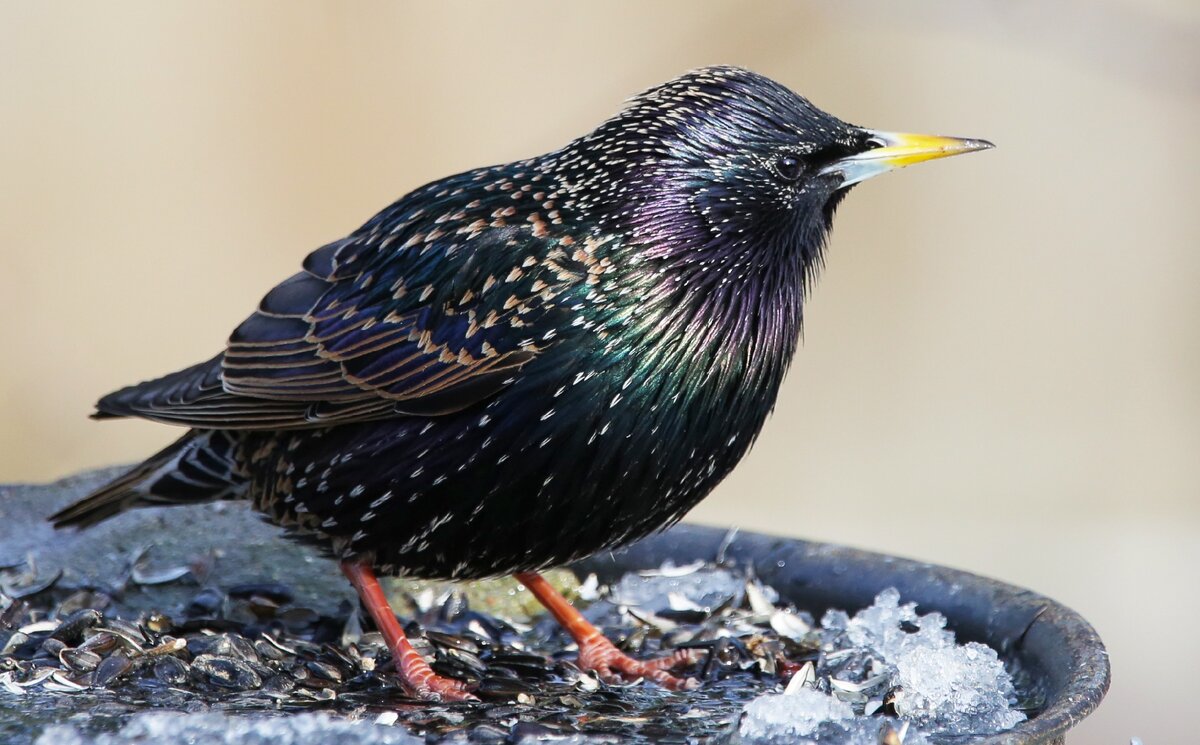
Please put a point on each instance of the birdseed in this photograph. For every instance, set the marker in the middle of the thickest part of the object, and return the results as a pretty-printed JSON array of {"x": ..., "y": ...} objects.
[{"x": 248, "y": 650}]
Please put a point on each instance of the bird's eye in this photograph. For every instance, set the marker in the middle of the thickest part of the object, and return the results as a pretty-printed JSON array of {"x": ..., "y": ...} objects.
[{"x": 788, "y": 167}]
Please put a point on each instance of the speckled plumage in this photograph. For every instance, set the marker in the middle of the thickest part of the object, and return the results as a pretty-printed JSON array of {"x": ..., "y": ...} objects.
[{"x": 521, "y": 365}]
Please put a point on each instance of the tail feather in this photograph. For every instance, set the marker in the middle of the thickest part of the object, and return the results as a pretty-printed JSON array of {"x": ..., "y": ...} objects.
[
  {"x": 198, "y": 467},
  {"x": 113, "y": 498}
]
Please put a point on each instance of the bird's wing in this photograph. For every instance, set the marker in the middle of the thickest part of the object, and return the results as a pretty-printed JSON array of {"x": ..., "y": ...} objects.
[{"x": 394, "y": 320}]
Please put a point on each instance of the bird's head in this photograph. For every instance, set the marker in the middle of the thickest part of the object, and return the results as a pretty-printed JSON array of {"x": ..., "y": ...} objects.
[{"x": 724, "y": 170}]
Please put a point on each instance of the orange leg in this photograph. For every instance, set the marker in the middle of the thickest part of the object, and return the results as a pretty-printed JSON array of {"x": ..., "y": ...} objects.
[
  {"x": 597, "y": 653},
  {"x": 415, "y": 674}
]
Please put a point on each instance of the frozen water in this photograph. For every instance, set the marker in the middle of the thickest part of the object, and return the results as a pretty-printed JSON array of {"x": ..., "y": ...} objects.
[
  {"x": 810, "y": 716},
  {"x": 941, "y": 688},
  {"x": 944, "y": 687},
  {"x": 655, "y": 591},
  {"x": 797, "y": 714},
  {"x": 174, "y": 728}
]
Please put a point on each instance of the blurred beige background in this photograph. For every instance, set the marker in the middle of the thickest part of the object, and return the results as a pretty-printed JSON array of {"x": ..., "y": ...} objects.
[{"x": 1001, "y": 368}]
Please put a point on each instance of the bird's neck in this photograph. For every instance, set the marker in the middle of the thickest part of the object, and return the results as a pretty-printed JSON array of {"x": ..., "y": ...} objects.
[{"x": 706, "y": 349}]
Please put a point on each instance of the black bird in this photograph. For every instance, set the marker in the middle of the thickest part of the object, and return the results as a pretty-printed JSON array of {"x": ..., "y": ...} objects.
[{"x": 521, "y": 365}]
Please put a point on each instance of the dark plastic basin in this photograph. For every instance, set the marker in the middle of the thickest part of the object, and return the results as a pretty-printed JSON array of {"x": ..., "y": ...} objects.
[
  {"x": 1059, "y": 648},
  {"x": 1055, "y": 644}
]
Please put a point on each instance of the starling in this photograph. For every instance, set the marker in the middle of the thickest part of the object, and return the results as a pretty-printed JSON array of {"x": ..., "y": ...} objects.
[{"x": 521, "y": 365}]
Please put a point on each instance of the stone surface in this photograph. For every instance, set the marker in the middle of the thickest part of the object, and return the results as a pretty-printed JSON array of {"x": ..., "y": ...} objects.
[{"x": 242, "y": 547}]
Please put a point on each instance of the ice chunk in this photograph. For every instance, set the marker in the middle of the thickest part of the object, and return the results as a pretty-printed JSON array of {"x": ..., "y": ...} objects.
[
  {"x": 810, "y": 716},
  {"x": 937, "y": 686},
  {"x": 210, "y": 728},
  {"x": 955, "y": 689},
  {"x": 781, "y": 715},
  {"x": 705, "y": 587},
  {"x": 943, "y": 687}
]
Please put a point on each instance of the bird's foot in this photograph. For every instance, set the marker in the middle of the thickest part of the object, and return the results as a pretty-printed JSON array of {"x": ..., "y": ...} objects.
[
  {"x": 597, "y": 654},
  {"x": 421, "y": 682},
  {"x": 601, "y": 656},
  {"x": 416, "y": 676}
]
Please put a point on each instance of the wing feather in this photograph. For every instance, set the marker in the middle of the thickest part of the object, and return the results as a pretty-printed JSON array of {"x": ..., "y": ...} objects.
[{"x": 391, "y": 321}]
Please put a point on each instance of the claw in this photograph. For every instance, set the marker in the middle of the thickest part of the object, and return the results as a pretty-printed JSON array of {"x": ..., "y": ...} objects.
[
  {"x": 436, "y": 689},
  {"x": 597, "y": 654},
  {"x": 601, "y": 656}
]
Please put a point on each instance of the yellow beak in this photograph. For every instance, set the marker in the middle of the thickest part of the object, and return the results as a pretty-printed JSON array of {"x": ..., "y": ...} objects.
[{"x": 896, "y": 150}]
